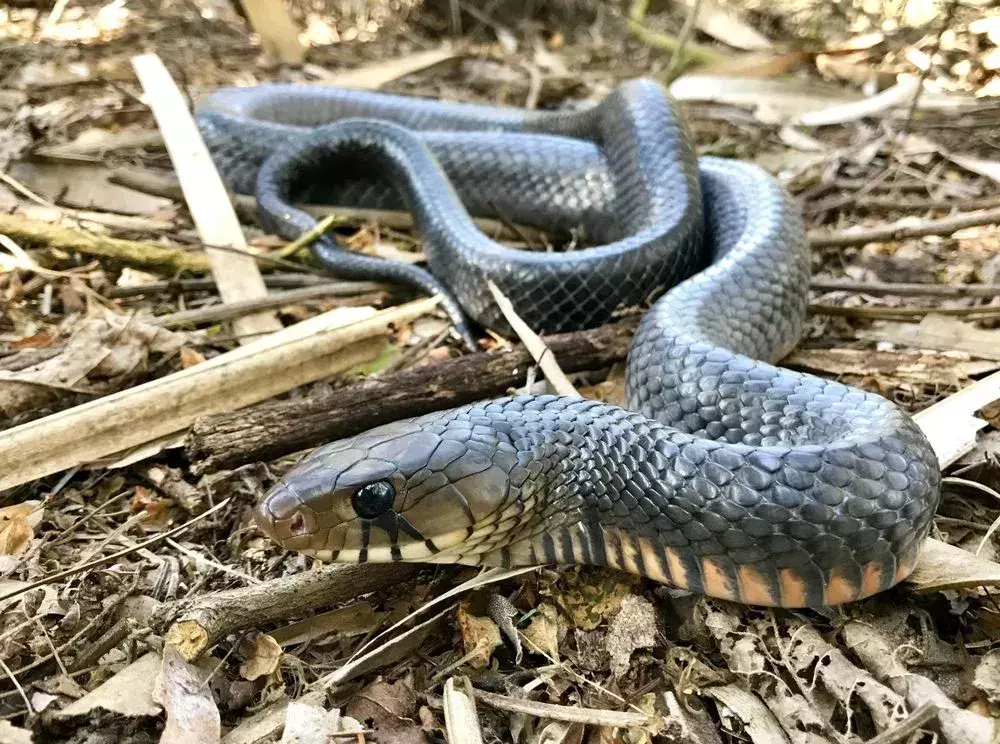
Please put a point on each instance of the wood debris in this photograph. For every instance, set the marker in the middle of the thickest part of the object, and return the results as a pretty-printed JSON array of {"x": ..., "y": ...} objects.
[{"x": 163, "y": 360}]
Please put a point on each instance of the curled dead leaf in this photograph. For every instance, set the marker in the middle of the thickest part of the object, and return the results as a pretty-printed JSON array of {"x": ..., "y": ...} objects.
[
  {"x": 542, "y": 634},
  {"x": 480, "y": 636},
  {"x": 264, "y": 659},
  {"x": 17, "y": 526}
]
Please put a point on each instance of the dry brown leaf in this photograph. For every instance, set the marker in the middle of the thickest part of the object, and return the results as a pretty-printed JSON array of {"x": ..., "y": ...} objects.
[
  {"x": 721, "y": 24},
  {"x": 987, "y": 676},
  {"x": 943, "y": 566},
  {"x": 480, "y": 636},
  {"x": 264, "y": 658},
  {"x": 17, "y": 526},
  {"x": 192, "y": 715},
  {"x": 190, "y": 357},
  {"x": 129, "y": 692},
  {"x": 634, "y": 627},
  {"x": 391, "y": 710},
  {"x": 543, "y": 632}
]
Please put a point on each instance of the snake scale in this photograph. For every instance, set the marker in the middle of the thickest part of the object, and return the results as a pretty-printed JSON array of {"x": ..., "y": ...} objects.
[{"x": 725, "y": 474}]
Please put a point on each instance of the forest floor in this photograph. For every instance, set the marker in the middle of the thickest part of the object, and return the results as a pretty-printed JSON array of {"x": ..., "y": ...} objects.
[{"x": 142, "y": 603}]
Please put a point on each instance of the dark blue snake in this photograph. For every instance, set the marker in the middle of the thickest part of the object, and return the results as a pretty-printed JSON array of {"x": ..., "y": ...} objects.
[{"x": 725, "y": 474}]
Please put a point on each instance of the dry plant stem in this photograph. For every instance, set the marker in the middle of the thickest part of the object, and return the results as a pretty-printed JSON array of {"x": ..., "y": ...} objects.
[
  {"x": 273, "y": 281},
  {"x": 590, "y": 716},
  {"x": 236, "y": 274},
  {"x": 316, "y": 348},
  {"x": 228, "y": 310},
  {"x": 197, "y": 625},
  {"x": 694, "y": 54},
  {"x": 159, "y": 259},
  {"x": 957, "y": 726},
  {"x": 273, "y": 430},
  {"x": 903, "y": 313},
  {"x": 310, "y": 237},
  {"x": 916, "y": 720},
  {"x": 908, "y": 289},
  {"x": 533, "y": 343},
  {"x": 890, "y": 233},
  {"x": 949, "y": 13}
]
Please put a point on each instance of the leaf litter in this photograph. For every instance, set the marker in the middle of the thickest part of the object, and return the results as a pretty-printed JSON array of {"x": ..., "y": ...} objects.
[{"x": 874, "y": 115}]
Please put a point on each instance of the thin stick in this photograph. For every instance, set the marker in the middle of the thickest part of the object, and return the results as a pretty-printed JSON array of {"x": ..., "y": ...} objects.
[
  {"x": 917, "y": 719},
  {"x": 310, "y": 237},
  {"x": 534, "y": 344},
  {"x": 891, "y": 233},
  {"x": 305, "y": 352},
  {"x": 591, "y": 716},
  {"x": 949, "y": 13},
  {"x": 912, "y": 289},
  {"x": 215, "y": 313}
]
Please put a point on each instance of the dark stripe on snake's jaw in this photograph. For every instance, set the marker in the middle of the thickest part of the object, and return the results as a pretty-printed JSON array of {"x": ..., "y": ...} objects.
[{"x": 724, "y": 474}]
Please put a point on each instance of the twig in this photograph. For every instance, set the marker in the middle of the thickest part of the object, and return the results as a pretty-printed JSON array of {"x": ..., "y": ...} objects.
[
  {"x": 890, "y": 233},
  {"x": 228, "y": 310},
  {"x": 534, "y": 344},
  {"x": 274, "y": 429},
  {"x": 310, "y": 237},
  {"x": 907, "y": 289},
  {"x": 694, "y": 54},
  {"x": 949, "y": 13},
  {"x": 304, "y": 352},
  {"x": 673, "y": 66},
  {"x": 903, "y": 313},
  {"x": 272, "y": 281},
  {"x": 197, "y": 625},
  {"x": 590, "y": 716},
  {"x": 148, "y": 256}
]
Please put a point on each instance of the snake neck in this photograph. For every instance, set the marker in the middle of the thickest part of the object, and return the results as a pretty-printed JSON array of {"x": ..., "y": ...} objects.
[{"x": 782, "y": 525}]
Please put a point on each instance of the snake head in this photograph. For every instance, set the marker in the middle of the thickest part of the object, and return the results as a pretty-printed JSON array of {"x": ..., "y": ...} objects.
[{"x": 404, "y": 491}]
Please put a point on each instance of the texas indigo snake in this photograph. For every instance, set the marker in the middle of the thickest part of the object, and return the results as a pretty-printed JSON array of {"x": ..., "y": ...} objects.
[{"x": 726, "y": 475}]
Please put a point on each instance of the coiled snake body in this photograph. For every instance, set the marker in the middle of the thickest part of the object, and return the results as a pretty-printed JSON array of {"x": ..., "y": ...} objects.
[{"x": 725, "y": 475}]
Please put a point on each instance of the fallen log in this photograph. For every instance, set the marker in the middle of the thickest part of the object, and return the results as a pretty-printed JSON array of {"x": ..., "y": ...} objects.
[{"x": 272, "y": 430}]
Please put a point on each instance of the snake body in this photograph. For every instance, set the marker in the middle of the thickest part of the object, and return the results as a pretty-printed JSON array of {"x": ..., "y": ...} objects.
[{"x": 724, "y": 474}]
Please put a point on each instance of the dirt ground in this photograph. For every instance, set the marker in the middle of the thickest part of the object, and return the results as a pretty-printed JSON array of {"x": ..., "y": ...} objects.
[{"x": 141, "y": 602}]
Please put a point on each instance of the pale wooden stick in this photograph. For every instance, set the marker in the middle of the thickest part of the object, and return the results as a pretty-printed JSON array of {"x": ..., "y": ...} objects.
[
  {"x": 534, "y": 344},
  {"x": 236, "y": 275},
  {"x": 307, "y": 351}
]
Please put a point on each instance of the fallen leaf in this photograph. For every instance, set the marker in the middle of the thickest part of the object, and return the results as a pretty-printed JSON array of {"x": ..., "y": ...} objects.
[
  {"x": 634, "y": 627},
  {"x": 943, "y": 566},
  {"x": 389, "y": 709},
  {"x": 128, "y": 692},
  {"x": 725, "y": 26},
  {"x": 543, "y": 632},
  {"x": 480, "y": 636},
  {"x": 192, "y": 715},
  {"x": 264, "y": 658},
  {"x": 987, "y": 676},
  {"x": 190, "y": 357},
  {"x": 17, "y": 526},
  {"x": 11, "y": 734}
]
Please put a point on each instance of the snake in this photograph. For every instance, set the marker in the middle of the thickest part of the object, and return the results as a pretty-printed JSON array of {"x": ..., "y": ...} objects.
[{"x": 723, "y": 473}]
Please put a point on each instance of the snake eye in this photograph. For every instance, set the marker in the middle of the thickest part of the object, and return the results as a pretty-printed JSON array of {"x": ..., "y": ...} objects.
[{"x": 373, "y": 500}]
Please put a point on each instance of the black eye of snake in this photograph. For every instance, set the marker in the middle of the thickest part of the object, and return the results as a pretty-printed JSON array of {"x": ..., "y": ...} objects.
[{"x": 373, "y": 500}]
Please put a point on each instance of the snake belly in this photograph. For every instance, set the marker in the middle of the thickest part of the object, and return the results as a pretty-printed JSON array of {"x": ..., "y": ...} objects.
[{"x": 724, "y": 474}]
